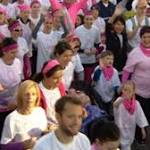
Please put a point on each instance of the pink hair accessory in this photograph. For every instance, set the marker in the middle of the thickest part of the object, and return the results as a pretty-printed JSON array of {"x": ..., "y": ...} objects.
[
  {"x": 14, "y": 25},
  {"x": 51, "y": 64},
  {"x": 10, "y": 48},
  {"x": 35, "y": 2},
  {"x": 24, "y": 7},
  {"x": 88, "y": 13}
]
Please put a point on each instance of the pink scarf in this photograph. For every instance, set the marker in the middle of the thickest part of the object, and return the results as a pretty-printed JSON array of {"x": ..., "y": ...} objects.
[
  {"x": 108, "y": 72},
  {"x": 145, "y": 50},
  {"x": 130, "y": 105}
]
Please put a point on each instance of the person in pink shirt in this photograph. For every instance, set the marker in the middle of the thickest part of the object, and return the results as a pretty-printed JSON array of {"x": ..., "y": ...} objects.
[
  {"x": 105, "y": 135},
  {"x": 138, "y": 67}
]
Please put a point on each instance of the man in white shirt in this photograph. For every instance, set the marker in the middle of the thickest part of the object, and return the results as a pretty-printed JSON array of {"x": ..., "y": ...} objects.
[{"x": 69, "y": 113}]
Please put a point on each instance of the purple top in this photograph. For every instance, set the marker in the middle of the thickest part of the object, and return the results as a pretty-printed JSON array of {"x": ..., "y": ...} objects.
[{"x": 12, "y": 146}]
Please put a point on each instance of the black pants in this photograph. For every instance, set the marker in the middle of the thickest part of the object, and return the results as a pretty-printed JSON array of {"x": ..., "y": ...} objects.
[
  {"x": 145, "y": 104},
  {"x": 3, "y": 115}
]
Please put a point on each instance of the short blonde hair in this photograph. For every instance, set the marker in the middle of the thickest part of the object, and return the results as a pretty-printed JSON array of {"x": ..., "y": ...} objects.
[
  {"x": 22, "y": 88},
  {"x": 128, "y": 83}
]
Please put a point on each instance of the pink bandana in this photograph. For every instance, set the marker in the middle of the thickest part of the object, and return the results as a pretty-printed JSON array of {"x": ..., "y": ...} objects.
[
  {"x": 14, "y": 25},
  {"x": 108, "y": 72},
  {"x": 51, "y": 64},
  {"x": 130, "y": 105},
  {"x": 145, "y": 50}
]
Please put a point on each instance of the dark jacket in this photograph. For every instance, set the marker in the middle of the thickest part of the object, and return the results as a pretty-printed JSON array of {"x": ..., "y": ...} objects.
[{"x": 113, "y": 44}]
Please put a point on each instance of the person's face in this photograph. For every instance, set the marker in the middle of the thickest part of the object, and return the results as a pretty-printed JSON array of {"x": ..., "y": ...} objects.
[
  {"x": 141, "y": 8},
  {"x": 88, "y": 20},
  {"x": 25, "y": 14},
  {"x": 71, "y": 119},
  {"x": 128, "y": 91},
  {"x": 48, "y": 23},
  {"x": 118, "y": 27},
  {"x": 65, "y": 57},
  {"x": 17, "y": 32},
  {"x": 75, "y": 45},
  {"x": 95, "y": 13},
  {"x": 2, "y": 17},
  {"x": 70, "y": 1},
  {"x": 29, "y": 97},
  {"x": 78, "y": 21},
  {"x": 10, "y": 55},
  {"x": 55, "y": 79},
  {"x": 108, "y": 61},
  {"x": 36, "y": 8},
  {"x": 146, "y": 40},
  {"x": 110, "y": 145}
]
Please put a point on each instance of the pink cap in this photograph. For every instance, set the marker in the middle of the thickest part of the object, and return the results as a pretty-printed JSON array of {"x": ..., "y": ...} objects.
[
  {"x": 51, "y": 64},
  {"x": 35, "y": 2},
  {"x": 10, "y": 47},
  {"x": 24, "y": 7}
]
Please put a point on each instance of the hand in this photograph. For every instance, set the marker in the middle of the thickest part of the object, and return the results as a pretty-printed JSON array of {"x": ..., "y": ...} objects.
[
  {"x": 2, "y": 88},
  {"x": 28, "y": 144},
  {"x": 93, "y": 51},
  {"x": 118, "y": 10},
  {"x": 143, "y": 133},
  {"x": 87, "y": 52},
  {"x": 52, "y": 127}
]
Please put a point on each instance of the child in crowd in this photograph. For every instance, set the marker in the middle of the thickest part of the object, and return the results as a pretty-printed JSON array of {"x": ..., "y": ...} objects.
[
  {"x": 106, "y": 80},
  {"x": 105, "y": 136},
  {"x": 128, "y": 113}
]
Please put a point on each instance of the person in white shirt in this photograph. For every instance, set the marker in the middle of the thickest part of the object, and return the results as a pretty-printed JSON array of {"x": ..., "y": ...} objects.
[
  {"x": 28, "y": 120},
  {"x": 133, "y": 25},
  {"x": 10, "y": 77},
  {"x": 9, "y": 8},
  {"x": 63, "y": 53},
  {"x": 89, "y": 37},
  {"x": 46, "y": 41},
  {"x": 69, "y": 113}
]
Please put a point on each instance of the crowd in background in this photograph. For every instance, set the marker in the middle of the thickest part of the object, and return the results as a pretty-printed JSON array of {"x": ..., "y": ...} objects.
[{"x": 74, "y": 74}]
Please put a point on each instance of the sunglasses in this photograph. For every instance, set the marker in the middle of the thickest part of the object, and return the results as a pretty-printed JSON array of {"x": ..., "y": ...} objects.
[
  {"x": 18, "y": 30},
  {"x": 78, "y": 46}
]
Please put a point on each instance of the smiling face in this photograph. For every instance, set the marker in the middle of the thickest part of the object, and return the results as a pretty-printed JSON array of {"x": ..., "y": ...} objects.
[
  {"x": 55, "y": 79},
  {"x": 145, "y": 39},
  {"x": 118, "y": 27},
  {"x": 65, "y": 57},
  {"x": 70, "y": 119}
]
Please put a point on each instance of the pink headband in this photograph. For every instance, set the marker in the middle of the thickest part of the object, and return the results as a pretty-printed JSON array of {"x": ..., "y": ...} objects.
[
  {"x": 35, "y": 2},
  {"x": 88, "y": 13},
  {"x": 9, "y": 47},
  {"x": 51, "y": 64},
  {"x": 14, "y": 25},
  {"x": 24, "y": 7}
]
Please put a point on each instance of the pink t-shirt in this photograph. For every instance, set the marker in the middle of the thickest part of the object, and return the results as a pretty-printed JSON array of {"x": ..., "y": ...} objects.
[{"x": 139, "y": 65}]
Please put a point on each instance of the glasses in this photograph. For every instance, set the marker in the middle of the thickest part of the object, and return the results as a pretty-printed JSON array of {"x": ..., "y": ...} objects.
[
  {"x": 78, "y": 46},
  {"x": 18, "y": 30}
]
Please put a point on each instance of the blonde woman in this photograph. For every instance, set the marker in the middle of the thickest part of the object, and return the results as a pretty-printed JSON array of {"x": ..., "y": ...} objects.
[{"x": 28, "y": 120}]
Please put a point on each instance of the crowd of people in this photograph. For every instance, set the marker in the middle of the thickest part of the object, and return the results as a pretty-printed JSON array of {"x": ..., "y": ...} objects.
[{"x": 74, "y": 74}]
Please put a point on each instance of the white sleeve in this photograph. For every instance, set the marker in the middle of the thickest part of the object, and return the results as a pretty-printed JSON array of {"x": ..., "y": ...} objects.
[
  {"x": 7, "y": 134},
  {"x": 116, "y": 80},
  {"x": 129, "y": 26},
  {"x": 78, "y": 64},
  {"x": 140, "y": 117}
]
